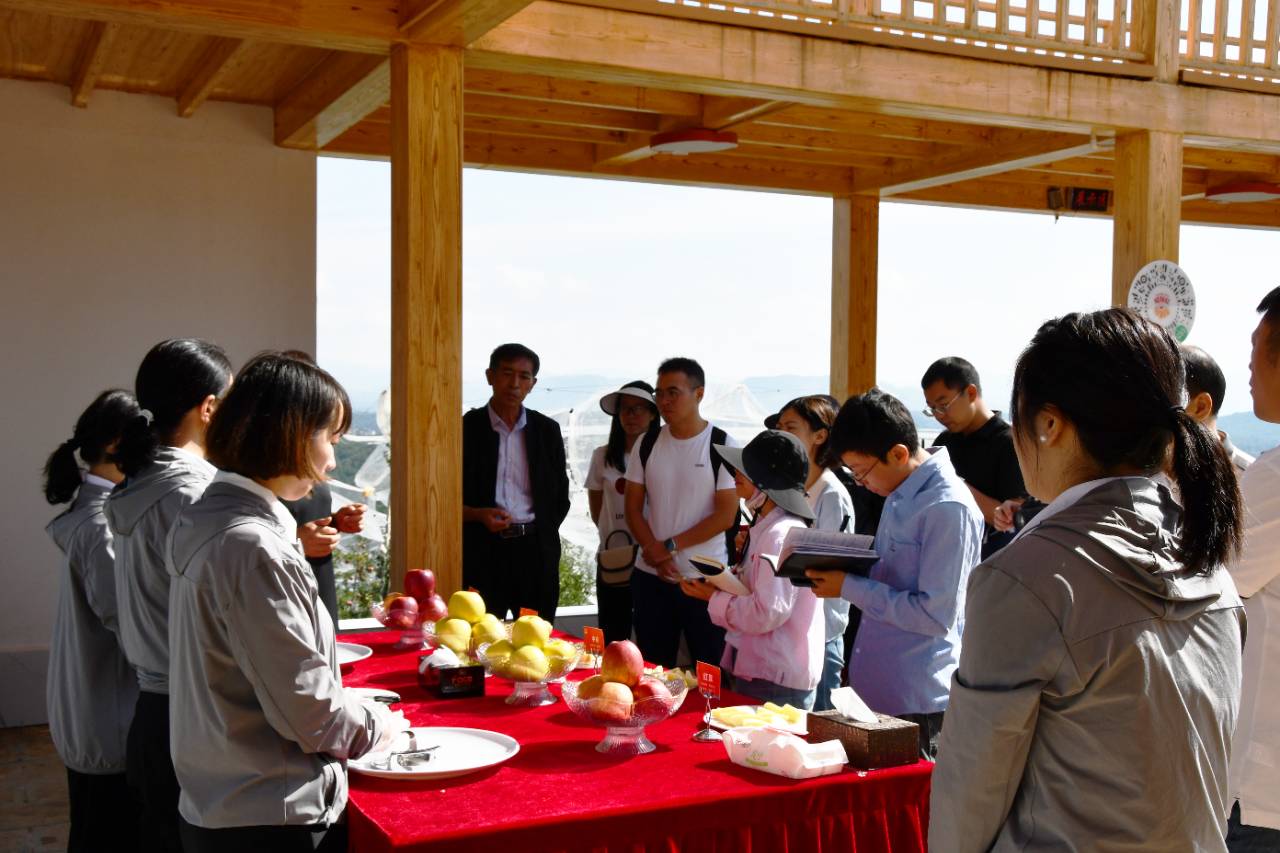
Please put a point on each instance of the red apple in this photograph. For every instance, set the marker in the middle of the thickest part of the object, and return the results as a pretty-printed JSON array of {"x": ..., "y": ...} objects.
[
  {"x": 613, "y": 705},
  {"x": 622, "y": 663},
  {"x": 420, "y": 583},
  {"x": 392, "y": 596},
  {"x": 434, "y": 609},
  {"x": 403, "y": 613},
  {"x": 650, "y": 688},
  {"x": 590, "y": 687}
]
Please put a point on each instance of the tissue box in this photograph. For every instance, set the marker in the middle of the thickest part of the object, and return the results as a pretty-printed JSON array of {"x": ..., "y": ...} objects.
[
  {"x": 452, "y": 682},
  {"x": 888, "y": 742}
]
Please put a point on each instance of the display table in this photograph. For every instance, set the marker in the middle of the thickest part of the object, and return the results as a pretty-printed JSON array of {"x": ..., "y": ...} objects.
[{"x": 559, "y": 794}]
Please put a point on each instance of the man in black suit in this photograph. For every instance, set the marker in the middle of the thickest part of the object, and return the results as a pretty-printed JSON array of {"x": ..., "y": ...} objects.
[{"x": 515, "y": 492}]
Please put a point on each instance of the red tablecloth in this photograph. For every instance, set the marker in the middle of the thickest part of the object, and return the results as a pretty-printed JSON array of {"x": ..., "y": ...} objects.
[{"x": 559, "y": 794}]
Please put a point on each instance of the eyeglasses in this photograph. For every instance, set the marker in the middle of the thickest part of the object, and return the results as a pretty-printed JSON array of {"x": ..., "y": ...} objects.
[
  {"x": 939, "y": 411},
  {"x": 862, "y": 478}
]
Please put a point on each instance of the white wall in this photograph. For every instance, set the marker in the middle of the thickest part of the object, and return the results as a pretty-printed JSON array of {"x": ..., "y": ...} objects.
[{"x": 120, "y": 225}]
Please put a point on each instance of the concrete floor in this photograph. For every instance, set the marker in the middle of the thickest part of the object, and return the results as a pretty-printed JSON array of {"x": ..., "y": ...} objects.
[{"x": 33, "y": 792}]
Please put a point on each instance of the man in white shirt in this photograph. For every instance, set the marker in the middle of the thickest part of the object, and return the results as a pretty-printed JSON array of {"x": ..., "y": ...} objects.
[
  {"x": 1255, "y": 752},
  {"x": 680, "y": 501},
  {"x": 1206, "y": 389}
]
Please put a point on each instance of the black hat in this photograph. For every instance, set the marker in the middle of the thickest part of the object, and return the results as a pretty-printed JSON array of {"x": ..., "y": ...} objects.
[
  {"x": 771, "y": 421},
  {"x": 777, "y": 463}
]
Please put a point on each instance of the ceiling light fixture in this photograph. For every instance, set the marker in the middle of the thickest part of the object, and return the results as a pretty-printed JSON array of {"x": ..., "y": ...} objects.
[
  {"x": 693, "y": 140},
  {"x": 1243, "y": 191}
]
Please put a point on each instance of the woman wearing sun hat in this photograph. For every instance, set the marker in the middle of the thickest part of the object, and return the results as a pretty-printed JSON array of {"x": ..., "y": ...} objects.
[
  {"x": 775, "y": 633},
  {"x": 633, "y": 414}
]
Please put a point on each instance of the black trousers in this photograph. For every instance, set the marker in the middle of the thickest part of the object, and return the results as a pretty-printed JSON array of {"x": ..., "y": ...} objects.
[
  {"x": 102, "y": 807},
  {"x": 661, "y": 613},
  {"x": 930, "y": 731},
  {"x": 151, "y": 776},
  {"x": 515, "y": 578},
  {"x": 1242, "y": 838},
  {"x": 613, "y": 609},
  {"x": 265, "y": 839}
]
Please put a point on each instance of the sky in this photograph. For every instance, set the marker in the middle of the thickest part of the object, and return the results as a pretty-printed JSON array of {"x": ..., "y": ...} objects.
[{"x": 607, "y": 278}]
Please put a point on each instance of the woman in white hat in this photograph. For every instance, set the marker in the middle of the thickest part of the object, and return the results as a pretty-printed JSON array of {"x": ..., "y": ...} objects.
[{"x": 634, "y": 413}]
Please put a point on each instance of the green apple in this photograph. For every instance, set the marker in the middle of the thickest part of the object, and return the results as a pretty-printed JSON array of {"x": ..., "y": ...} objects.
[
  {"x": 488, "y": 630},
  {"x": 560, "y": 653},
  {"x": 454, "y": 634},
  {"x": 467, "y": 605},
  {"x": 527, "y": 663},
  {"x": 530, "y": 631}
]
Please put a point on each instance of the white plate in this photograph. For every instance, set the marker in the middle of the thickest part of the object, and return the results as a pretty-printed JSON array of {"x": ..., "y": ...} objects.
[
  {"x": 352, "y": 652},
  {"x": 460, "y": 751},
  {"x": 800, "y": 728}
]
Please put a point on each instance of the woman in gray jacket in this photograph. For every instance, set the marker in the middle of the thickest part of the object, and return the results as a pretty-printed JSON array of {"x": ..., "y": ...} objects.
[
  {"x": 1099, "y": 681},
  {"x": 260, "y": 724},
  {"x": 91, "y": 689}
]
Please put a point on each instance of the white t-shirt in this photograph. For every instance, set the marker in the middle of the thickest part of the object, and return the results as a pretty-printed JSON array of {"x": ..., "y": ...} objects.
[
  {"x": 603, "y": 477},
  {"x": 679, "y": 492}
]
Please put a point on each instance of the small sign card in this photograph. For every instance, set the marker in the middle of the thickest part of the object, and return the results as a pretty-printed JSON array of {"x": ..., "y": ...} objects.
[
  {"x": 593, "y": 640},
  {"x": 528, "y": 611},
  {"x": 709, "y": 680}
]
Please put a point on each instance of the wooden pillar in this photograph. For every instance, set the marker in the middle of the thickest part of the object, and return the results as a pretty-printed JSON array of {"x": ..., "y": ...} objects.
[
  {"x": 1156, "y": 32},
  {"x": 426, "y": 313},
  {"x": 1148, "y": 205},
  {"x": 855, "y": 248}
]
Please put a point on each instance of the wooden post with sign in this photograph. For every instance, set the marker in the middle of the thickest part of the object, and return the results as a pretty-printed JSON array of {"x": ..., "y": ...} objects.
[
  {"x": 855, "y": 247},
  {"x": 426, "y": 313},
  {"x": 1148, "y": 205}
]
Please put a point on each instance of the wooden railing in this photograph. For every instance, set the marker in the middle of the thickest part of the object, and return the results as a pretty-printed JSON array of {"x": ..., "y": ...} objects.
[{"x": 1223, "y": 42}]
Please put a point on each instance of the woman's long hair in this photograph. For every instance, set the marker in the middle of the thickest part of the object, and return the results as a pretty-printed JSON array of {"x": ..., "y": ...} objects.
[
  {"x": 819, "y": 411},
  {"x": 97, "y": 428},
  {"x": 1119, "y": 379},
  {"x": 174, "y": 377},
  {"x": 615, "y": 453}
]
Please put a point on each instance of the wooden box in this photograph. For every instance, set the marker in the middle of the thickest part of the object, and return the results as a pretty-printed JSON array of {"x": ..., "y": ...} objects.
[{"x": 887, "y": 743}]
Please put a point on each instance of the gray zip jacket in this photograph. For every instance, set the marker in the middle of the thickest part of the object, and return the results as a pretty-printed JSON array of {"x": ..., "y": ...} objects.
[
  {"x": 259, "y": 723},
  {"x": 1097, "y": 691},
  {"x": 91, "y": 689},
  {"x": 141, "y": 511}
]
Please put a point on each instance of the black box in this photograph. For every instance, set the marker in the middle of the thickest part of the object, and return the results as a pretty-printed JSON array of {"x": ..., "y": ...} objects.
[{"x": 452, "y": 682}]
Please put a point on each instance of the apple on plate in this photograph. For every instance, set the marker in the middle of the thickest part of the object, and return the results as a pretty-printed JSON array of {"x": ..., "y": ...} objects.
[
  {"x": 391, "y": 596},
  {"x": 420, "y": 583},
  {"x": 498, "y": 652},
  {"x": 622, "y": 663},
  {"x": 468, "y": 605},
  {"x": 488, "y": 630},
  {"x": 589, "y": 688},
  {"x": 402, "y": 612},
  {"x": 434, "y": 609},
  {"x": 613, "y": 705}
]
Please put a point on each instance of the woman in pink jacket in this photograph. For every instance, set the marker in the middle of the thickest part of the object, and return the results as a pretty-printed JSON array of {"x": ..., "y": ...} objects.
[{"x": 774, "y": 633}]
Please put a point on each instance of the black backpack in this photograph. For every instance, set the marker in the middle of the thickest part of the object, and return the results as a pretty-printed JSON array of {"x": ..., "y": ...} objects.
[{"x": 718, "y": 436}]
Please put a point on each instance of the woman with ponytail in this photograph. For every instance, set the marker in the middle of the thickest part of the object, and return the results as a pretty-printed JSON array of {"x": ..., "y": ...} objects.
[
  {"x": 161, "y": 453},
  {"x": 1099, "y": 679},
  {"x": 91, "y": 689}
]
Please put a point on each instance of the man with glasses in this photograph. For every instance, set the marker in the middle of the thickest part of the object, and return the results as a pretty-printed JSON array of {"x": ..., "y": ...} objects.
[
  {"x": 978, "y": 440},
  {"x": 912, "y": 600}
]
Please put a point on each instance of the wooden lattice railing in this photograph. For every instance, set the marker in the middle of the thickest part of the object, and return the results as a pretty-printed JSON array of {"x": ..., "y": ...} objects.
[{"x": 1228, "y": 42}]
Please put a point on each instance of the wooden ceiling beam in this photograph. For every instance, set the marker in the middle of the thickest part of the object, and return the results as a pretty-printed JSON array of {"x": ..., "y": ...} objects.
[
  {"x": 454, "y": 22},
  {"x": 221, "y": 58},
  {"x": 93, "y": 56},
  {"x": 333, "y": 98},
  {"x": 611, "y": 45},
  {"x": 1011, "y": 152},
  {"x": 597, "y": 117},
  {"x": 370, "y": 26},
  {"x": 540, "y": 87},
  {"x": 878, "y": 124},
  {"x": 723, "y": 113}
]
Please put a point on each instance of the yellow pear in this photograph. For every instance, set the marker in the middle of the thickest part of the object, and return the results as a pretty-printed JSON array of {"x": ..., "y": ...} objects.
[
  {"x": 559, "y": 653},
  {"x": 499, "y": 651},
  {"x": 454, "y": 634},
  {"x": 530, "y": 631},
  {"x": 488, "y": 630},
  {"x": 527, "y": 663},
  {"x": 467, "y": 605}
]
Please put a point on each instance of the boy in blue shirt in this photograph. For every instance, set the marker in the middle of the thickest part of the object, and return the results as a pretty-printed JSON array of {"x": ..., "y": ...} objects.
[{"x": 929, "y": 538}]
